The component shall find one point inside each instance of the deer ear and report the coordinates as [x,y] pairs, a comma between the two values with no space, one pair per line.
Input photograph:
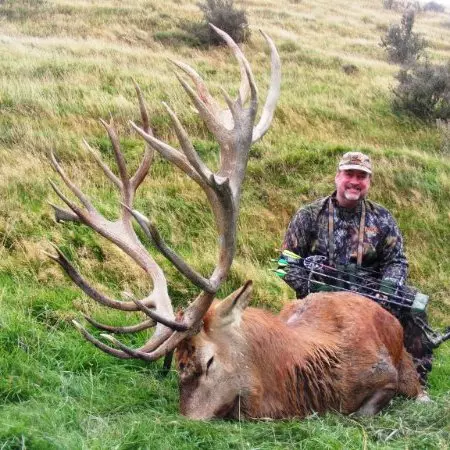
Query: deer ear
[230,309]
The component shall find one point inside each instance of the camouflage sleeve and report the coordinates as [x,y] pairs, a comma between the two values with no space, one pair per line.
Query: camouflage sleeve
[393,262]
[297,278]
[297,240]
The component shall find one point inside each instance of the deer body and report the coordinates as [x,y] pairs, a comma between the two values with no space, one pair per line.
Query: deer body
[330,351]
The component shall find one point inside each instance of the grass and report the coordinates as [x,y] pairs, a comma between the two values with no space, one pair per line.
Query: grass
[65,64]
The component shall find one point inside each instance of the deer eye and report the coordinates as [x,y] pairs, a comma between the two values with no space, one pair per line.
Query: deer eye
[208,364]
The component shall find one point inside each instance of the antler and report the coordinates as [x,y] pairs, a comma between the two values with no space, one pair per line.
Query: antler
[235,132]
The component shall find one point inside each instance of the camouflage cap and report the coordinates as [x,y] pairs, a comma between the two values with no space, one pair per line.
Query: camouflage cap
[355,161]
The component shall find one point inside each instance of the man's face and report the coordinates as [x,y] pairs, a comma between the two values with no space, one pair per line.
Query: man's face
[351,186]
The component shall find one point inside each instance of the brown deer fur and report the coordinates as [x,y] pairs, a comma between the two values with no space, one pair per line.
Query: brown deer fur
[330,351]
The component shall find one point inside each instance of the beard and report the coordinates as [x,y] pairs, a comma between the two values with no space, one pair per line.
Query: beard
[352,194]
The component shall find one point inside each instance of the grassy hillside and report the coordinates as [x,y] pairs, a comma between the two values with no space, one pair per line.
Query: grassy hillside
[63,65]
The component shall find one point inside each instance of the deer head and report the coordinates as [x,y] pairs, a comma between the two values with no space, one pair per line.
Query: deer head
[235,130]
[213,365]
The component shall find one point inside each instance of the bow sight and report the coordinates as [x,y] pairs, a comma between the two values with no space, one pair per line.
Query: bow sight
[317,276]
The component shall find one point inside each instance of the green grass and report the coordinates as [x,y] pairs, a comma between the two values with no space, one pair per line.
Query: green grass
[65,64]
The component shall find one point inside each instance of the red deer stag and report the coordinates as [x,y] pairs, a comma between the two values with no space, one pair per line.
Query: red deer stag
[331,351]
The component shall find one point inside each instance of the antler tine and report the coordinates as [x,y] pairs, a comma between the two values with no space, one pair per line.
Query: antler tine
[99,344]
[100,298]
[131,352]
[107,171]
[160,344]
[223,116]
[127,352]
[63,215]
[167,345]
[172,324]
[170,154]
[75,190]
[121,164]
[78,212]
[247,78]
[126,189]
[214,126]
[191,165]
[203,92]
[152,233]
[143,168]
[143,109]
[244,86]
[188,148]
[273,94]
[149,323]
[134,305]
[147,160]
[154,349]
[231,104]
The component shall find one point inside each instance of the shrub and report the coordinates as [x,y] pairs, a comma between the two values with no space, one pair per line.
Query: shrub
[424,91]
[434,7]
[401,43]
[414,6]
[350,69]
[401,5]
[225,16]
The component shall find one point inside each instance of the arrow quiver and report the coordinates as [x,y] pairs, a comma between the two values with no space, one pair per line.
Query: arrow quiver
[318,276]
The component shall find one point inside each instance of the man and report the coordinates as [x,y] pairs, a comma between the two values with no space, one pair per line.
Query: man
[353,232]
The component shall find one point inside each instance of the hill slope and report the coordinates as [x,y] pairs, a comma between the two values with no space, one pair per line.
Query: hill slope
[65,64]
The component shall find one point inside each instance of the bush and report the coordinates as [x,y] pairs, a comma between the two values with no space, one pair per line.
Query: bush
[424,91]
[434,7]
[225,16]
[350,69]
[401,43]
[401,5]
[414,6]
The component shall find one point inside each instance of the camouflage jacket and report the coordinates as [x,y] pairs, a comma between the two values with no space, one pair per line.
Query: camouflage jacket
[307,235]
